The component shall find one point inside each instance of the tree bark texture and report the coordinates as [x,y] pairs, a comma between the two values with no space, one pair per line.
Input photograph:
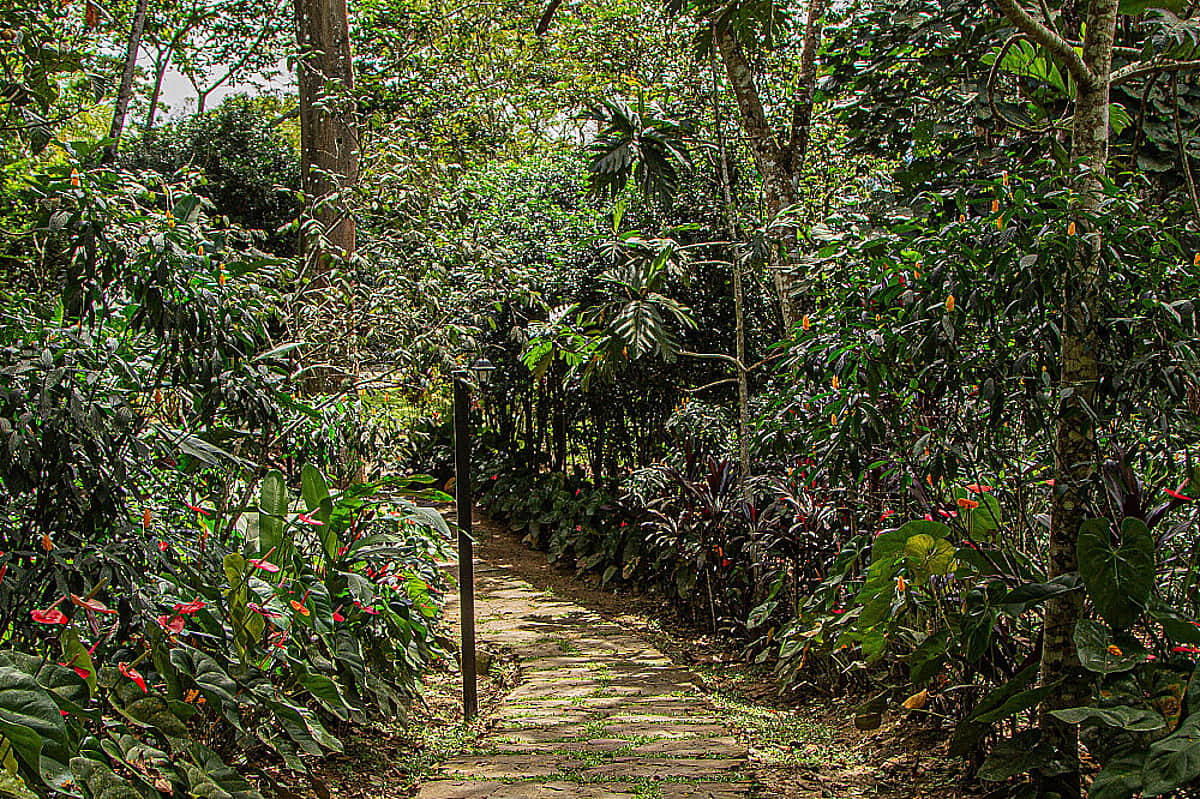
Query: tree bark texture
[328,132]
[778,158]
[125,92]
[1076,471]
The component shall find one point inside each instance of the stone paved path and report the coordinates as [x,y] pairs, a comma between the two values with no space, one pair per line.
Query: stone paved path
[599,713]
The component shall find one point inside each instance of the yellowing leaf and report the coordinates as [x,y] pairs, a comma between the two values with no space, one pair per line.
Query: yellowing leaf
[917,700]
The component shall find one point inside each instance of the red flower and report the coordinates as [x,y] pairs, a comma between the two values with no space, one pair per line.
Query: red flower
[366,609]
[163,546]
[132,674]
[48,616]
[80,670]
[199,510]
[1186,650]
[1179,495]
[886,513]
[978,489]
[308,519]
[172,625]
[189,608]
[264,564]
[338,617]
[260,610]
[299,608]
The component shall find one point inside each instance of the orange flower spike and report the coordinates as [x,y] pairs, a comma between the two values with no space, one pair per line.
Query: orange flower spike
[47,544]
[806,323]
[900,584]
[950,303]
[145,517]
[833,419]
[1115,650]
[1004,178]
[995,206]
[296,606]
[1071,228]
[967,504]
[962,218]
[221,277]
[75,181]
[835,382]
[1196,260]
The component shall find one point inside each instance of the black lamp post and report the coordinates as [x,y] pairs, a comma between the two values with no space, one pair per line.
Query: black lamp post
[480,371]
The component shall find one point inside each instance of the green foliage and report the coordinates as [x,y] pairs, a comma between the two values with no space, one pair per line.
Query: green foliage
[248,171]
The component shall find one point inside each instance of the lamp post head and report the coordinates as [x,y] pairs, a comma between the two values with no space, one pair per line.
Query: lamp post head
[481,369]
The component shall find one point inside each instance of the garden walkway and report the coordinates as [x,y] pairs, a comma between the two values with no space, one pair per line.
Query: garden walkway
[599,713]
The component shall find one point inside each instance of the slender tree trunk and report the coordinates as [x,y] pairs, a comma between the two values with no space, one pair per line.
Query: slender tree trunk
[739,314]
[328,131]
[160,69]
[125,92]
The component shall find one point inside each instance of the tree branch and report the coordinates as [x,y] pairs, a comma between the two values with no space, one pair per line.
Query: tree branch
[1057,45]
[745,91]
[1134,71]
[797,146]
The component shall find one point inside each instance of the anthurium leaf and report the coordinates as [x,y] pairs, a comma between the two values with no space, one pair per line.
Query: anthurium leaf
[1120,779]
[1030,595]
[1123,717]
[1180,628]
[1118,579]
[1104,652]
[970,730]
[101,781]
[211,680]
[313,489]
[1022,753]
[1020,701]
[30,720]
[77,655]
[760,614]
[927,659]
[273,507]
[1174,761]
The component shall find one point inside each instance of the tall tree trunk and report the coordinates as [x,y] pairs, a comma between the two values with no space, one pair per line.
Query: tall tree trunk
[1076,459]
[328,131]
[125,92]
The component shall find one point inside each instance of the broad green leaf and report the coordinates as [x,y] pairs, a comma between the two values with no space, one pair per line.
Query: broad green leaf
[1174,761]
[1124,717]
[273,507]
[928,556]
[1104,652]
[1118,580]
[315,491]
